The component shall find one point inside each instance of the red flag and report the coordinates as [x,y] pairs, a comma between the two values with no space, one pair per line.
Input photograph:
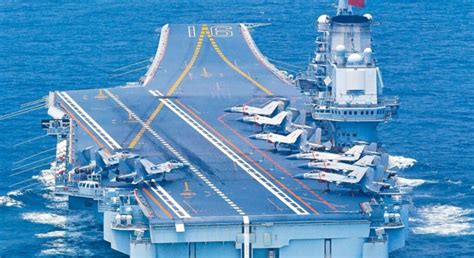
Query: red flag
[358,3]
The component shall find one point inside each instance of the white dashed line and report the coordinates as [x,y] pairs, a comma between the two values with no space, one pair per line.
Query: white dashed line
[174,151]
[244,165]
[98,130]
[166,198]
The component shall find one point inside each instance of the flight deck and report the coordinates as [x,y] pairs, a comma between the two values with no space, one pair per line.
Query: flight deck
[179,114]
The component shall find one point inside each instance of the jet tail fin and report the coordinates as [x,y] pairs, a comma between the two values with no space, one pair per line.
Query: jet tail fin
[100,158]
[140,168]
[372,147]
[317,136]
[84,156]
[295,113]
[127,165]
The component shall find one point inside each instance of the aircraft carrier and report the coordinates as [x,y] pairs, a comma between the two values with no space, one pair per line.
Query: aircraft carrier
[217,153]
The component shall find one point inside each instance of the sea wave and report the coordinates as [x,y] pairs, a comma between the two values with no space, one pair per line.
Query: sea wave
[60,247]
[7,201]
[45,218]
[15,193]
[446,220]
[60,234]
[400,162]
[55,234]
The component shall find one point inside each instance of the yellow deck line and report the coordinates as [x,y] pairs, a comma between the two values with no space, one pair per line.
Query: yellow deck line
[174,86]
[236,68]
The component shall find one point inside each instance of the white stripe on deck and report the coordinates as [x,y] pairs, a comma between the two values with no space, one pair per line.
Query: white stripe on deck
[98,130]
[177,154]
[244,165]
[166,198]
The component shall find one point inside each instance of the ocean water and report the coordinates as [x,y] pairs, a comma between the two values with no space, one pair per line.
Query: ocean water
[424,49]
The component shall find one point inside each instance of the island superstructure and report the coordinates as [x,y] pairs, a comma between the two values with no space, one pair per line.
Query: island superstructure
[217,153]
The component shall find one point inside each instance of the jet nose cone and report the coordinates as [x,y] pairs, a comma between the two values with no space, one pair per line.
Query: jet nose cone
[304,166]
[253,136]
[240,119]
[228,110]
[299,176]
[292,157]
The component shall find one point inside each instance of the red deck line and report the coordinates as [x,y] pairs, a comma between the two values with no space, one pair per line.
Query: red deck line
[162,208]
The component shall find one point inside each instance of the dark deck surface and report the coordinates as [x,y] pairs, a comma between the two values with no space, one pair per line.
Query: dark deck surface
[205,69]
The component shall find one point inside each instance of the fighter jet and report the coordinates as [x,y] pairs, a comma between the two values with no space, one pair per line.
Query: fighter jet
[296,140]
[281,123]
[339,166]
[264,120]
[145,170]
[269,109]
[351,155]
[363,174]
[106,161]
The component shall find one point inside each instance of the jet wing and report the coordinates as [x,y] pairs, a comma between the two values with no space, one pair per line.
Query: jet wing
[355,151]
[151,168]
[317,155]
[257,119]
[271,137]
[106,160]
[332,165]
[365,161]
[353,178]
[266,110]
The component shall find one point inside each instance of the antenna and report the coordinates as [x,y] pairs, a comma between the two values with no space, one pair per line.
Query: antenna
[344,8]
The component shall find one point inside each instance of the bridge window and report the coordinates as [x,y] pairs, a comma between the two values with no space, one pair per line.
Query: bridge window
[350,112]
[372,112]
[345,112]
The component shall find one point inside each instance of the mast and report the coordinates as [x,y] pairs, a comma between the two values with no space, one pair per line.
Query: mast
[344,8]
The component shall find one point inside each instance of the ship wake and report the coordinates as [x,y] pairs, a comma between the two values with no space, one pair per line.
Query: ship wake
[445,220]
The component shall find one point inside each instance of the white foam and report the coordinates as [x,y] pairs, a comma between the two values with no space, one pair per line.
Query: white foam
[454,182]
[7,201]
[58,205]
[443,220]
[60,234]
[60,247]
[15,193]
[56,234]
[407,182]
[46,177]
[45,218]
[400,162]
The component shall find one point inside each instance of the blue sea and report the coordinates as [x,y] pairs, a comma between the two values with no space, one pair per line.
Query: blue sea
[424,49]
